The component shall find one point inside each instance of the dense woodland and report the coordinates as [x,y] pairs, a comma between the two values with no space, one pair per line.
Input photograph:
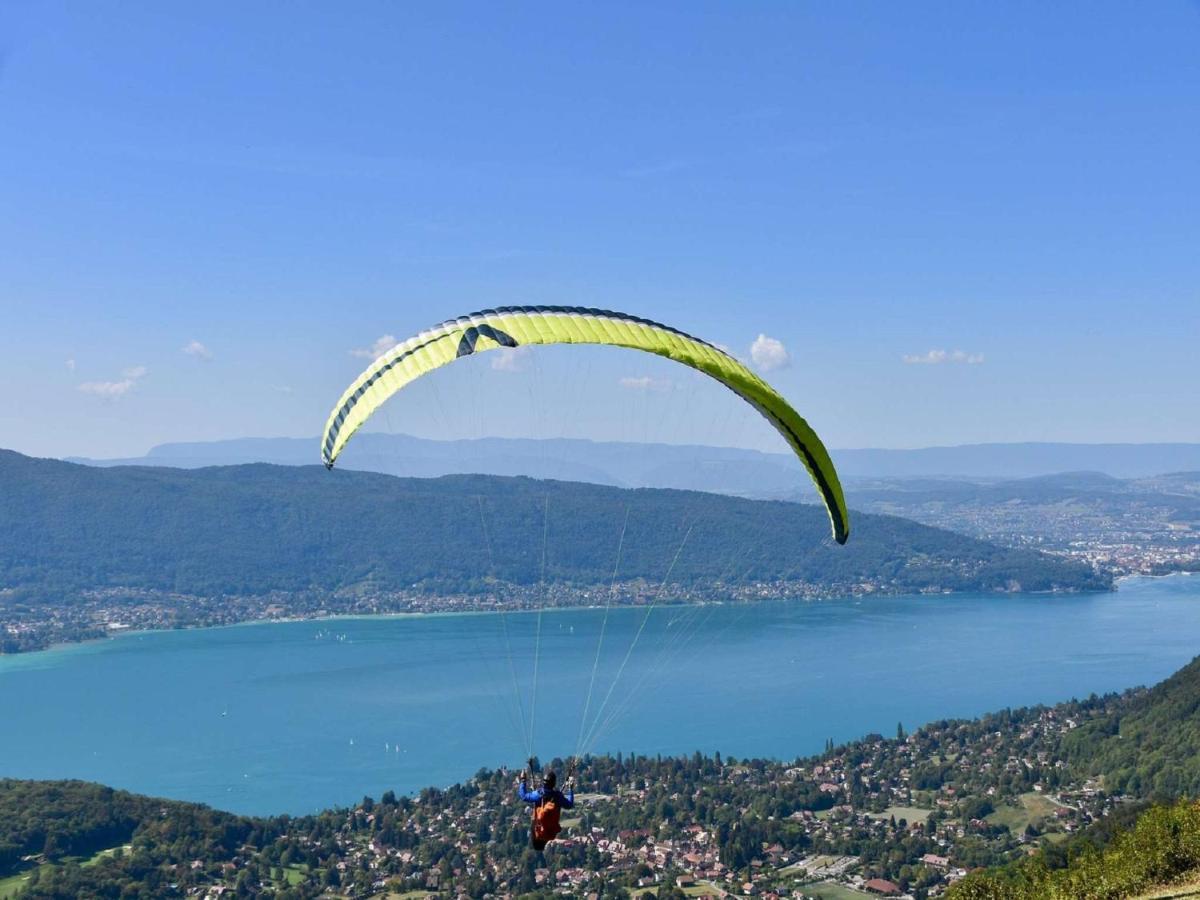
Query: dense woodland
[254,529]
[1149,746]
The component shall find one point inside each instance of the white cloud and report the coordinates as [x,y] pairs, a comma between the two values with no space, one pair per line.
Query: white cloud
[70,365]
[509,359]
[769,353]
[937,357]
[112,390]
[109,390]
[198,350]
[646,383]
[382,345]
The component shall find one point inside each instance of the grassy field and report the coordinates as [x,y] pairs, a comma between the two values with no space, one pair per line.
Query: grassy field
[815,863]
[1034,809]
[103,853]
[909,813]
[701,888]
[827,890]
[9,886]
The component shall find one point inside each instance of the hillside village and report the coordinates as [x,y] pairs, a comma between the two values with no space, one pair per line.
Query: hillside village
[869,816]
[901,817]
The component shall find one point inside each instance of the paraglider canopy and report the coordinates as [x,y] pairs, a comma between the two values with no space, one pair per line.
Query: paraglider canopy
[517,326]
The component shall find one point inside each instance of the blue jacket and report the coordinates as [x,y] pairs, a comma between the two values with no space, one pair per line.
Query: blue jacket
[566,801]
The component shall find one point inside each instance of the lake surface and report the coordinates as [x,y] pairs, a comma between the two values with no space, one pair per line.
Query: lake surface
[293,717]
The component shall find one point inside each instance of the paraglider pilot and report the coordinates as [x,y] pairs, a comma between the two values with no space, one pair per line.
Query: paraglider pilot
[547,802]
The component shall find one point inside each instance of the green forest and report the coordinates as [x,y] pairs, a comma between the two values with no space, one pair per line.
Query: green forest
[1149,746]
[253,529]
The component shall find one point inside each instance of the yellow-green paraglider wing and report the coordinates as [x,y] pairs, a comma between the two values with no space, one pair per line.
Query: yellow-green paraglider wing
[519,326]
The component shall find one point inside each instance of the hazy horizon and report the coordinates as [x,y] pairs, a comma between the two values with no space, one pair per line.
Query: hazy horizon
[724,469]
[315,438]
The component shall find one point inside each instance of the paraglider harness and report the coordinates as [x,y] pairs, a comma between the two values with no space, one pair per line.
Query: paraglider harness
[545,821]
[546,811]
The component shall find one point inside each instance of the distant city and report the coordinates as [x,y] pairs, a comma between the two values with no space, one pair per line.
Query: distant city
[1141,526]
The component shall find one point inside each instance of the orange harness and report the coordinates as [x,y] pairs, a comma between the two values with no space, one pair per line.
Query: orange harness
[545,819]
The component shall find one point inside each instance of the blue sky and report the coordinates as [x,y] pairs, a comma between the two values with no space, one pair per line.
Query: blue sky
[1005,195]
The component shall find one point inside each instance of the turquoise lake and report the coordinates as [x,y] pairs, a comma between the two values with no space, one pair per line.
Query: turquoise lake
[297,716]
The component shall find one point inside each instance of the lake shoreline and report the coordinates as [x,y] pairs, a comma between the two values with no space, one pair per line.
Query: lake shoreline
[117,633]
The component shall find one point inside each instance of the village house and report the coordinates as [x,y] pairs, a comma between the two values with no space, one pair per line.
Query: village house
[881,886]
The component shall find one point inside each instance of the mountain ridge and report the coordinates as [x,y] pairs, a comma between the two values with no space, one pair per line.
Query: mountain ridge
[723,469]
[260,528]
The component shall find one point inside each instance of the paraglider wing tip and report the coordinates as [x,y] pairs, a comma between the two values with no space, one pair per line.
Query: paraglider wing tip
[328,464]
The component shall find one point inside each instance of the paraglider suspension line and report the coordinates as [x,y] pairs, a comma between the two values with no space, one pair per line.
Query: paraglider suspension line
[641,628]
[603,626]
[537,641]
[512,668]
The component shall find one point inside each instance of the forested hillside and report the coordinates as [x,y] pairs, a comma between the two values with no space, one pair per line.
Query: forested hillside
[1145,746]
[1149,746]
[55,819]
[47,827]
[259,528]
